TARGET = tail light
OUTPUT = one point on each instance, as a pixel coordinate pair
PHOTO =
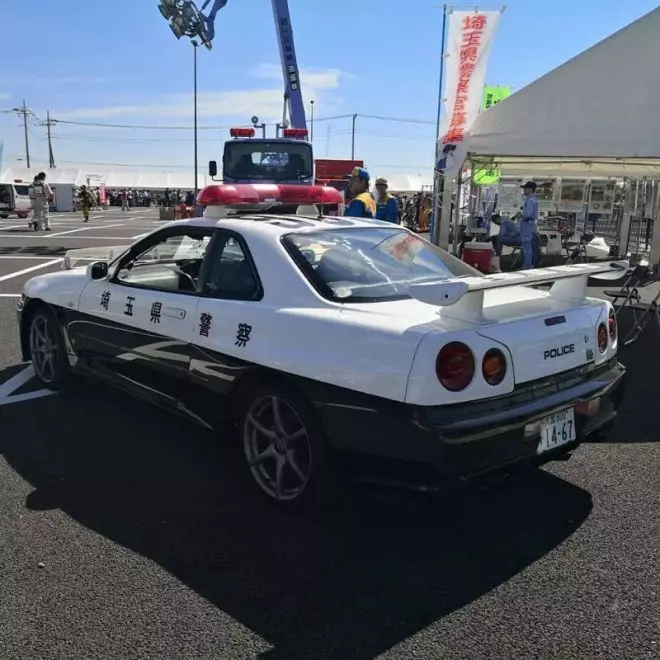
(493, 366)
(602, 338)
(454, 366)
(611, 325)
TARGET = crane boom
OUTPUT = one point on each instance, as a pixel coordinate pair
(185, 19)
(292, 92)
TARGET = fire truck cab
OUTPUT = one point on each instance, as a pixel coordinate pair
(287, 160)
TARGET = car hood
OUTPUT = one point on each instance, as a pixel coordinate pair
(62, 288)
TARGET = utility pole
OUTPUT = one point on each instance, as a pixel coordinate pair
(353, 138)
(312, 135)
(51, 157)
(195, 46)
(24, 111)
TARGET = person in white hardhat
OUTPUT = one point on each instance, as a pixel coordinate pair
(40, 196)
(387, 207)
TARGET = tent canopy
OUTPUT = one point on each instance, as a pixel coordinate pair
(405, 182)
(596, 113)
(112, 178)
(154, 180)
(55, 176)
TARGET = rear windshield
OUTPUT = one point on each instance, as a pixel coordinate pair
(370, 264)
(22, 190)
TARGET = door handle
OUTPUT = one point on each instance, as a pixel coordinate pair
(174, 312)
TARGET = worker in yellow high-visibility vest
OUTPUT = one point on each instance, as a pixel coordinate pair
(362, 205)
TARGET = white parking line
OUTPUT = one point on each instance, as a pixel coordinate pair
(16, 382)
(10, 295)
(18, 273)
(80, 238)
(13, 227)
(27, 256)
(73, 231)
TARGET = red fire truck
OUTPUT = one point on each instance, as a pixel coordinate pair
(335, 172)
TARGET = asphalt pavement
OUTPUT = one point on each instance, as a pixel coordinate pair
(127, 532)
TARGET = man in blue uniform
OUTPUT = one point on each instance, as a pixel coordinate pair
(362, 204)
(529, 213)
(386, 205)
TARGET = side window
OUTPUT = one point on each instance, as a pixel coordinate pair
(171, 262)
(232, 274)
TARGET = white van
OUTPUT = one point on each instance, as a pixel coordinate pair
(14, 198)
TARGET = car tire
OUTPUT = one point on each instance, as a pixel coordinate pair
(285, 448)
(48, 350)
(4, 216)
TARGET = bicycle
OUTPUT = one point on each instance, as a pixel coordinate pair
(578, 253)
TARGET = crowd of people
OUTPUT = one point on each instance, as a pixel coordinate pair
(413, 210)
(131, 197)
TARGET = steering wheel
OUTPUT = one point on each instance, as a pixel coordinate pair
(182, 273)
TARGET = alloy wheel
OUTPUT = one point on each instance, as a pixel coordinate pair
(277, 448)
(43, 348)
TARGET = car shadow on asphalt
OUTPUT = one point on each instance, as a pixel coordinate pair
(637, 420)
(350, 584)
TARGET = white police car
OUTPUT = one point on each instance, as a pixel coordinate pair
(333, 342)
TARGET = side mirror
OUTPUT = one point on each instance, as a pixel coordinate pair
(213, 168)
(98, 270)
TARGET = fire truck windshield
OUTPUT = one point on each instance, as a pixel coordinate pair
(259, 160)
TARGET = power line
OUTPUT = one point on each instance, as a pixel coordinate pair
(93, 124)
(110, 139)
(136, 126)
(402, 120)
(117, 140)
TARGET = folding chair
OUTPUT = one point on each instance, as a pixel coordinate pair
(639, 278)
(641, 320)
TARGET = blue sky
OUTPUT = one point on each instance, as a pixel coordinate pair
(118, 63)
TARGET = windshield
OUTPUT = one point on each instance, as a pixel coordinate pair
(271, 161)
(22, 190)
(370, 264)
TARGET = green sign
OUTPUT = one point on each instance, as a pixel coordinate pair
(494, 94)
(485, 177)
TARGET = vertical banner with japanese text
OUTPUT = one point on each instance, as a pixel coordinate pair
(469, 41)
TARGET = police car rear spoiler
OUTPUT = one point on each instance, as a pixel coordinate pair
(463, 297)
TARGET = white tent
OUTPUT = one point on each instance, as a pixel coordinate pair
(405, 182)
(65, 176)
(111, 177)
(598, 113)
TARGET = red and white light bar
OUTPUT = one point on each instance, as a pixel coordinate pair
(266, 195)
(241, 132)
(299, 133)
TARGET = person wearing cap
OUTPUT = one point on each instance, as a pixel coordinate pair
(362, 205)
(529, 213)
(386, 205)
